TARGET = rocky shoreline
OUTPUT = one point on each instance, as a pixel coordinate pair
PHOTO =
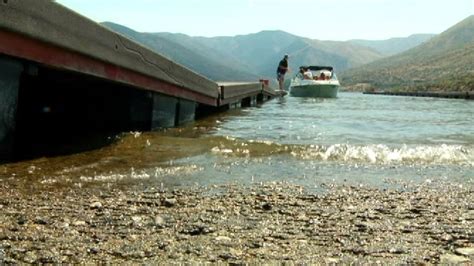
(262, 223)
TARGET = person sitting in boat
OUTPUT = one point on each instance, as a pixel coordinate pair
(328, 74)
(307, 74)
(322, 76)
(300, 74)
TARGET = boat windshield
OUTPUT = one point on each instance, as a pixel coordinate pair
(318, 74)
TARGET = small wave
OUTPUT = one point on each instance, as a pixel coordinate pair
(229, 151)
(372, 153)
(156, 172)
(383, 154)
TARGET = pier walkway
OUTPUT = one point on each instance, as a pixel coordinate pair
(67, 75)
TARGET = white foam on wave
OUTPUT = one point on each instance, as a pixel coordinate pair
(226, 151)
(383, 154)
(142, 174)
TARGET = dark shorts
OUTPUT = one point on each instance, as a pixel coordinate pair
(280, 76)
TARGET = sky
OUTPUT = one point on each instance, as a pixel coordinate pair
(337, 20)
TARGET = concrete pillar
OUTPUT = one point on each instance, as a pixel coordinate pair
(236, 105)
(186, 111)
(246, 102)
(249, 101)
(141, 110)
(10, 71)
(254, 101)
(164, 111)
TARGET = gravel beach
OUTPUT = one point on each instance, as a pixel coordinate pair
(261, 223)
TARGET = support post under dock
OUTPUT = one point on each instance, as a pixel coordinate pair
(10, 71)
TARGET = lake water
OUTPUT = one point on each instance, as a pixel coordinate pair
(358, 139)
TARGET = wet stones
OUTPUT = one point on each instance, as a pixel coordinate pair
(169, 202)
(96, 205)
(267, 206)
(159, 221)
(198, 229)
(465, 251)
(41, 220)
(22, 220)
(453, 259)
(239, 225)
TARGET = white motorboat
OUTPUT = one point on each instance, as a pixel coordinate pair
(317, 81)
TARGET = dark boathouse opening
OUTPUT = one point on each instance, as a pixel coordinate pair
(61, 112)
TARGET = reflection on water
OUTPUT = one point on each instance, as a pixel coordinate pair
(362, 139)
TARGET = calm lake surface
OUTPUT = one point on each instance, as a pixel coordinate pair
(358, 139)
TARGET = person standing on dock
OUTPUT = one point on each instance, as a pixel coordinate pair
(281, 71)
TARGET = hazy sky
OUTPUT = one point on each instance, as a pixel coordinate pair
(316, 19)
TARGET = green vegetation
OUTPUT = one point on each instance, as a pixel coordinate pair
(444, 63)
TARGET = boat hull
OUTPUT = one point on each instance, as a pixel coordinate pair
(315, 90)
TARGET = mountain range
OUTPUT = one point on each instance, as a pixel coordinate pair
(394, 46)
(374, 64)
(249, 57)
(443, 63)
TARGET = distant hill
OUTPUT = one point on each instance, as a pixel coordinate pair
(260, 52)
(201, 60)
(252, 56)
(445, 62)
(395, 45)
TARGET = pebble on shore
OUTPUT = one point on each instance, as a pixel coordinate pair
(274, 222)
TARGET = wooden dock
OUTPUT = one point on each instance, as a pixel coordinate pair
(66, 75)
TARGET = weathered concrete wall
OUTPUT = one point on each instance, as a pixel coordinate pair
(9, 83)
(164, 111)
(171, 112)
(141, 107)
(186, 112)
(249, 101)
(62, 112)
(52, 23)
(232, 90)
